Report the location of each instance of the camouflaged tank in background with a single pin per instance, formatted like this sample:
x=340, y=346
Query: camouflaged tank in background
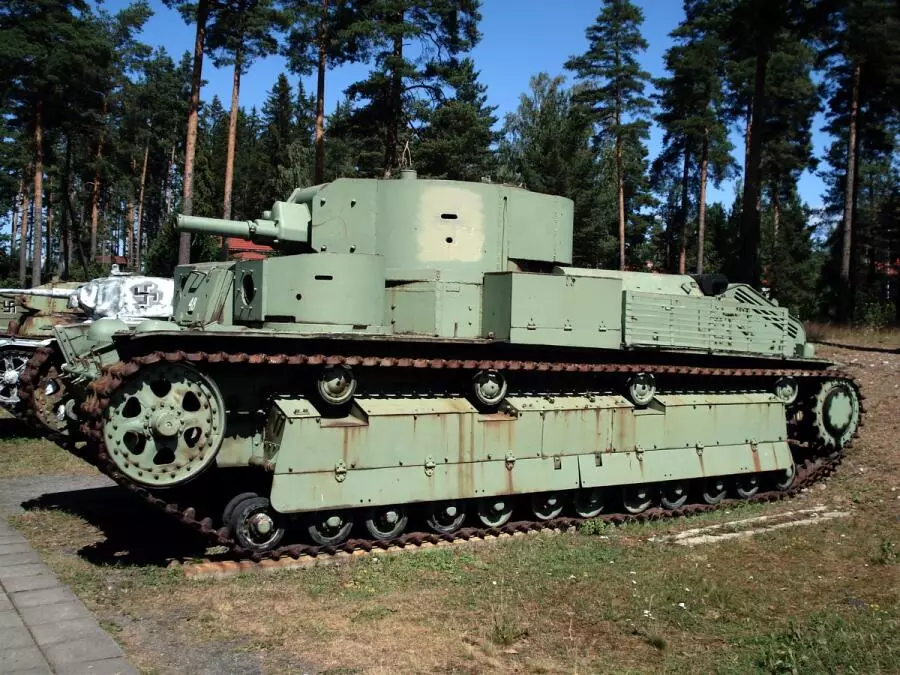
x=421, y=353
x=29, y=317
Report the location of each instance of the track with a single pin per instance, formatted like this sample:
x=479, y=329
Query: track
x=812, y=463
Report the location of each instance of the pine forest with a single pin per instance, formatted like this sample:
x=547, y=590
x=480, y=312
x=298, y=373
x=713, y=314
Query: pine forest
x=106, y=139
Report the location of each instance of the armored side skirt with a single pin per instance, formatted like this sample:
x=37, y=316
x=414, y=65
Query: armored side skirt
x=390, y=451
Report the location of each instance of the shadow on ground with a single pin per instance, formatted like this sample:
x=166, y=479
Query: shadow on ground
x=135, y=533
x=10, y=427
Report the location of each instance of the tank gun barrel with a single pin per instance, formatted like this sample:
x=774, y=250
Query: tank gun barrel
x=286, y=227
x=39, y=292
x=219, y=226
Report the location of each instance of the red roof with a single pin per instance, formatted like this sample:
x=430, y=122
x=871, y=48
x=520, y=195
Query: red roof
x=242, y=249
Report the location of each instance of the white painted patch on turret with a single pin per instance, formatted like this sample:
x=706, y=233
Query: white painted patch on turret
x=129, y=298
x=451, y=225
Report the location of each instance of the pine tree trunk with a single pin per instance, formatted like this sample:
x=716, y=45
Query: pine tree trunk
x=685, y=206
x=38, y=220
x=232, y=132
x=846, y=294
x=16, y=215
x=74, y=230
x=95, y=188
x=187, y=196
x=749, y=240
x=95, y=203
x=128, y=232
x=395, y=103
x=49, y=242
x=23, y=240
x=65, y=231
x=776, y=218
x=170, y=196
x=140, y=211
x=320, y=99
x=621, y=200
x=701, y=206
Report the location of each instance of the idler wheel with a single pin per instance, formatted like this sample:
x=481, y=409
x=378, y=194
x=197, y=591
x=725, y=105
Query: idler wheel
x=637, y=498
x=490, y=388
x=256, y=526
x=164, y=426
x=547, y=505
x=336, y=385
x=329, y=528
x=674, y=494
x=386, y=522
x=746, y=485
x=446, y=517
x=495, y=511
x=837, y=413
x=589, y=502
x=714, y=490
x=642, y=389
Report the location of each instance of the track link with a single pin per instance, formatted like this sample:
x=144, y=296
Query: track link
x=810, y=469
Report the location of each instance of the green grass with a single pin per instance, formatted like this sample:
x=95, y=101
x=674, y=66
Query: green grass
x=25, y=456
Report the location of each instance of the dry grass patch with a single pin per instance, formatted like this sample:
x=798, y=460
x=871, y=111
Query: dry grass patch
x=853, y=336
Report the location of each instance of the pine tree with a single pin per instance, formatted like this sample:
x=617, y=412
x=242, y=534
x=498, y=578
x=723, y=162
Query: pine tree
x=443, y=29
x=457, y=138
x=786, y=130
x=198, y=13
x=325, y=33
x=545, y=146
x=613, y=88
x=241, y=32
x=861, y=54
x=695, y=130
x=50, y=57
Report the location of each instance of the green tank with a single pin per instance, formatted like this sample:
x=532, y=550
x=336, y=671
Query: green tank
x=421, y=354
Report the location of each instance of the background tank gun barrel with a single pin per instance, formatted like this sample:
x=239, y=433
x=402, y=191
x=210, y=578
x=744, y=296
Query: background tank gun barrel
x=285, y=227
x=39, y=292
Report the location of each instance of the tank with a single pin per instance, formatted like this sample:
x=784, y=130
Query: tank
x=27, y=317
x=422, y=357
x=30, y=316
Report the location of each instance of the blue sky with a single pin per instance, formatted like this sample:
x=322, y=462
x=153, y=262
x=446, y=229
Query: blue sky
x=520, y=38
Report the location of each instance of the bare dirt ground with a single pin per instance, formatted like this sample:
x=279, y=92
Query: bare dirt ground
x=815, y=599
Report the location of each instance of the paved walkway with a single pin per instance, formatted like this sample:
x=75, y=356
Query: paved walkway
x=44, y=627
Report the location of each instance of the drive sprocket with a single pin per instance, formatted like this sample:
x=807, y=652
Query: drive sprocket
x=164, y=426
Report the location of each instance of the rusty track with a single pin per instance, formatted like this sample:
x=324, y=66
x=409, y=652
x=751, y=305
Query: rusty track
x=809, y=470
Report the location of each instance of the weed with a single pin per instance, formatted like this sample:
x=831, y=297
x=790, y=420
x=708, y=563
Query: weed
x=506, y=628
x=887, y=553
x=658, y=642
x=594, y=526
